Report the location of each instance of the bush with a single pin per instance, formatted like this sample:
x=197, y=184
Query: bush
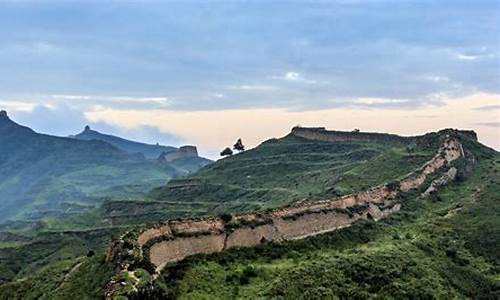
x=226, y=218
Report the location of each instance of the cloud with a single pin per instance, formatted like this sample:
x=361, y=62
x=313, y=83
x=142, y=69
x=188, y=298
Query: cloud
x=161, y=101
x=467, y=57
x=432, y=100
x=293, y=76
x=141, y=133
x=71, y=97
x=436, y=78
x=301, y=56
x=253, y=87
x=425, y=116
x=63, y=120
x=218, y=95
x=15, y=105
x=276, y=122
x=60, y=120
x=489, y=124
x=378, y=101
x=488, y=107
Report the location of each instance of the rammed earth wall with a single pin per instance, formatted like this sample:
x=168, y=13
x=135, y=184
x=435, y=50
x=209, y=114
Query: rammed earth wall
x=175, y=240
x=208, y=235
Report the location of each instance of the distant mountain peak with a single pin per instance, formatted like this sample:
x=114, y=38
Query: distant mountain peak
x=150, y=151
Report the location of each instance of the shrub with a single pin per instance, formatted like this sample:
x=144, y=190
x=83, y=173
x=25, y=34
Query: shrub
x=226, y=218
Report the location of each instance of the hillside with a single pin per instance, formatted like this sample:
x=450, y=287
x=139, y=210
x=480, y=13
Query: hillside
x=394, y=241
x=46, y=176
x=277, y=172
x=440, y=242
x=184, y=158
x=149, y=151
x=442, y=247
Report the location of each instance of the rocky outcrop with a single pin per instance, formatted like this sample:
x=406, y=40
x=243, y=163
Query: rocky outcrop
x=182, y=152
x=440, y=182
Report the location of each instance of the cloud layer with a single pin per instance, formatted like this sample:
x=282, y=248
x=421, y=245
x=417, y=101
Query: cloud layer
x=72, y=60
x=307, y=55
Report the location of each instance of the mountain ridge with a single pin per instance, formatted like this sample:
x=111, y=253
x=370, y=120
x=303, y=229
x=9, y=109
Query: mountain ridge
x=149, y=151
x=41, y=172
x=172, y=241
x=440, y=245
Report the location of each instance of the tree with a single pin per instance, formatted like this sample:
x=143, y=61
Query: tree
x=226, y=152
x=239, y=146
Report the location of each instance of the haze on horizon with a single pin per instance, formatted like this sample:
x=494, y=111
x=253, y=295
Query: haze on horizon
x=209, y=72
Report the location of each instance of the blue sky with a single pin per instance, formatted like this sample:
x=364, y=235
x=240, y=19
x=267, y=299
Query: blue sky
x=73, y=57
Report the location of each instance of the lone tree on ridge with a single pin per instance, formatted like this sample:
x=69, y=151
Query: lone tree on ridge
x=226, y=152
x=239, y=146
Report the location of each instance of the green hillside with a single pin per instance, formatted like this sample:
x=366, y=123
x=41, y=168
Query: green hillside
x=443, y=247
x=281, y=171
x=439, y=247
x=45, y=176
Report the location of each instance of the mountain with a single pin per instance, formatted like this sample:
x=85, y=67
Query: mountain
x=277, y=172
x=184, y=158
x=315, y=214
x=43, y=176
x=149, y=151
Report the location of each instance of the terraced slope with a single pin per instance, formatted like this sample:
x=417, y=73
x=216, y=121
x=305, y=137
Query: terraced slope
x=172, y=241
x=276, y=173
x=443, y=247
x=439, y=246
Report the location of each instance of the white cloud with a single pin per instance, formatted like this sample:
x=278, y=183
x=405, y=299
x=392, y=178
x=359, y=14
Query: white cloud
x=293, y=76
x=435, y=78
x=117, y=99
x=467, y=57
x=375, y=101
x=70, y=97
x=17, y=105
x=159, y=100
x=218, y=95
x=255, y=87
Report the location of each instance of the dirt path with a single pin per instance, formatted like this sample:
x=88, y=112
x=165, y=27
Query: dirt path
x=66, y=277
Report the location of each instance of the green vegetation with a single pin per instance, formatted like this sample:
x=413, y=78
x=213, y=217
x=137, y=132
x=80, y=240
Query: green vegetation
x=442, y=247
x=50, y=247
x=284, y=170
x=48, y=178
x=79, y=278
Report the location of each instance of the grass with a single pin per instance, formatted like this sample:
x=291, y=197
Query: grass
x=443, y=247
x=285, y=170
x=81, y=278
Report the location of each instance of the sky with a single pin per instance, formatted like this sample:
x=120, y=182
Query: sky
x=209, y=72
